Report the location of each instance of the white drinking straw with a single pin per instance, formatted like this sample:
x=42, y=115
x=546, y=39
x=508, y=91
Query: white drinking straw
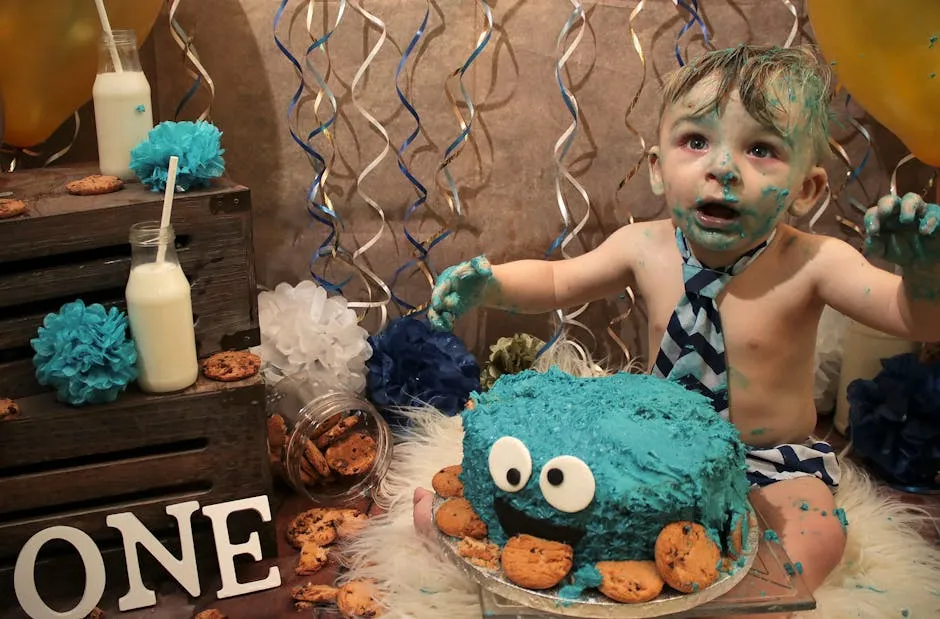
x=109, y=36
x=167, y=208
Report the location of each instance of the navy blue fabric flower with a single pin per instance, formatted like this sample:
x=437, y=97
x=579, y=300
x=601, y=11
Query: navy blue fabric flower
x=895, y=420
x=412, y=365
x=84, y=354
x=198, y=146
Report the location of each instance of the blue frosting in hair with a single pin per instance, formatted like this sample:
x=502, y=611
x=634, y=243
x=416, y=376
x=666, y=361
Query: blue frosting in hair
x=657, y=452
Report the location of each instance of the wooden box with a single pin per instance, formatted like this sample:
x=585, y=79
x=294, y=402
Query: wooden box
x=68, y=247
x=74, y=466
x=61, y=465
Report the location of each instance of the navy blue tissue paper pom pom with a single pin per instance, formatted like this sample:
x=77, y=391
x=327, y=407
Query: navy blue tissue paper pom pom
x=414, y=365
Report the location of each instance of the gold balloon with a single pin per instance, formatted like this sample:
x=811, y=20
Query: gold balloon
x=49, y=58
x=887, y=56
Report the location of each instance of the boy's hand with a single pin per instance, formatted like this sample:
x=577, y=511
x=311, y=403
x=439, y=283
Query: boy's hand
x=903, y=230
x=458, y=289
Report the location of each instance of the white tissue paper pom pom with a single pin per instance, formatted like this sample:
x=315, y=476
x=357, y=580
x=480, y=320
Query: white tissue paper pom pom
x=305, y=330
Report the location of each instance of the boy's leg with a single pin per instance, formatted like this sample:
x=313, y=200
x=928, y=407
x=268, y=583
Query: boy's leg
x=809, y=538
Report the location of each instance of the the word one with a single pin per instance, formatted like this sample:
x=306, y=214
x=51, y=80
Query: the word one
x=133, y=532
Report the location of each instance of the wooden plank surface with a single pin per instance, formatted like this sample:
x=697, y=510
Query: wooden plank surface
x=216, y=265
x=233, y=463
x=58, y=222
x=134, y=421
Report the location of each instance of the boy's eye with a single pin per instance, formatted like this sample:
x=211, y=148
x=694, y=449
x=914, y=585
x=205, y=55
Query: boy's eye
x=762, y=151
x=696, y=142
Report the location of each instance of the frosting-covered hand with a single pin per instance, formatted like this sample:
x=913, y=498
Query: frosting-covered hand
x=458, y=289
x=903, y=230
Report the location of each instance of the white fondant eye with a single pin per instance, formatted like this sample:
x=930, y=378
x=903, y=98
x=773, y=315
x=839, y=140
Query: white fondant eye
x=567, y=483
x=510, y=464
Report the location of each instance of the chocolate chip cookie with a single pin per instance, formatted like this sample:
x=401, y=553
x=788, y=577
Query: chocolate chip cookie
x=231, y=365
x=94, y=185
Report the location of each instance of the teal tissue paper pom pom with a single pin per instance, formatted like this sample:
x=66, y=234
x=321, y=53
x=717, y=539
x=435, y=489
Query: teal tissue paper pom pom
x=198, y=146
x=84, y=354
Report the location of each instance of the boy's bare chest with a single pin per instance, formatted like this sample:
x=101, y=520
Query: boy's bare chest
x=762, y=312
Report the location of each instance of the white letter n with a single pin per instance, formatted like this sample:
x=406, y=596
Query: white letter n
x=184, y=570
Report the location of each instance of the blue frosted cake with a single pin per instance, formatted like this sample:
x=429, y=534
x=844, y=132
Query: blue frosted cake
x=601, y=464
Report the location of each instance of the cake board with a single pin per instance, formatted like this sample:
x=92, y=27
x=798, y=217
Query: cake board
x=499, y=595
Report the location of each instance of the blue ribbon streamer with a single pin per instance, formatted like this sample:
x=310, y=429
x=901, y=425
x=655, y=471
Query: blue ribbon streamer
x=559, y=243
x=569, y=104
x=422, y=191
x=319, y=211
x=693, y=19
x=452, y=150
x=187, y=96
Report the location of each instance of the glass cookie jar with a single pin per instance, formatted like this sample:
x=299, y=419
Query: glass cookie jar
x=330, y=444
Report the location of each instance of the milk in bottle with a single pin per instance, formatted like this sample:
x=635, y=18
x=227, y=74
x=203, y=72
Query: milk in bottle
x=159, y=309
x=121, y=95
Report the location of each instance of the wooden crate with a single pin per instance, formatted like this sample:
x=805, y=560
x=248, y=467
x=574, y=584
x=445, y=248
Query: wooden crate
x=69, y=247
x=61, y=465
x=74, y=466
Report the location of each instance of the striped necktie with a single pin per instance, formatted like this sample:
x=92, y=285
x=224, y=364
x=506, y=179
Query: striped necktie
x=693, y=349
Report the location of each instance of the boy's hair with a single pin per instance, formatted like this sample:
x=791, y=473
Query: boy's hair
x=762, y=75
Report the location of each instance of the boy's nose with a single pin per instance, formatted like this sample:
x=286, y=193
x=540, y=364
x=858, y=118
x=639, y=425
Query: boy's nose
x=723, y=171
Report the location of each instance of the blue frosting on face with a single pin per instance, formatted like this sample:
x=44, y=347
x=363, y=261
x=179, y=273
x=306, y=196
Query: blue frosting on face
x=657, y=453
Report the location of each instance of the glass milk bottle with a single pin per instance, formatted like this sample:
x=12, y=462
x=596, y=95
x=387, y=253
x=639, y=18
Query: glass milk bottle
x=160, y=312
x=123, y=114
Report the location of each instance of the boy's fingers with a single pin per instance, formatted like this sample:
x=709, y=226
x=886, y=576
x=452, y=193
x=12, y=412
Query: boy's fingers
x=451, y=301
x=872, y=221
x=887, y=205
x=930, y=219
x=912, y=205
x=441, y=290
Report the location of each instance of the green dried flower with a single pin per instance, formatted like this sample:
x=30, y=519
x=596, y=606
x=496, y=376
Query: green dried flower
x=509, y=355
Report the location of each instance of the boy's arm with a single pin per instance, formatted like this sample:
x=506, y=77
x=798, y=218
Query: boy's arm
x=908, y=306
x=534, y=286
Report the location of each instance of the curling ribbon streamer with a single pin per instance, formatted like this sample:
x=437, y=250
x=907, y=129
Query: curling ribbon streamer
x=320, y=211
x=420, y=251
x=796, y=23
x=454, y=148
x=855, y=174
x=357, y=255
x=694, y=18
x=200, y=75
x=370, y=280
x=628, y=293
x=893, y=187
x=830, y=194
x=562, y=146
x=54, y=156
x=324, y=93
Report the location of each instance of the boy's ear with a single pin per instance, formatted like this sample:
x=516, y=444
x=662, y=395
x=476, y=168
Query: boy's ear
x=810, y=192
x=656, y=172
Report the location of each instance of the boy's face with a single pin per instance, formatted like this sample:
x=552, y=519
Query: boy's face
x=727, y=179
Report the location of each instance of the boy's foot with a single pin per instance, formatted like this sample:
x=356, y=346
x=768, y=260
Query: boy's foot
x=423, y=520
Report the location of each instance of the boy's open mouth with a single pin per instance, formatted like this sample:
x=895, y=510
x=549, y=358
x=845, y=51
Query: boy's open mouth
x=716, y=214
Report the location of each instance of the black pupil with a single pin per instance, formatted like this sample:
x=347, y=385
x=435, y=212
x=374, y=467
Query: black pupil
x=513, y=476
x=555, y=477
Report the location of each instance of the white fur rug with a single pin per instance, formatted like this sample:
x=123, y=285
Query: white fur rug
x=887, y=566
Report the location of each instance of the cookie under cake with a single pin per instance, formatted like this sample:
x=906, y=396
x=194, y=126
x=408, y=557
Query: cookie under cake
x=61, y=465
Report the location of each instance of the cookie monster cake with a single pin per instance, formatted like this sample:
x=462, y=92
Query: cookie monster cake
x=601, y=464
